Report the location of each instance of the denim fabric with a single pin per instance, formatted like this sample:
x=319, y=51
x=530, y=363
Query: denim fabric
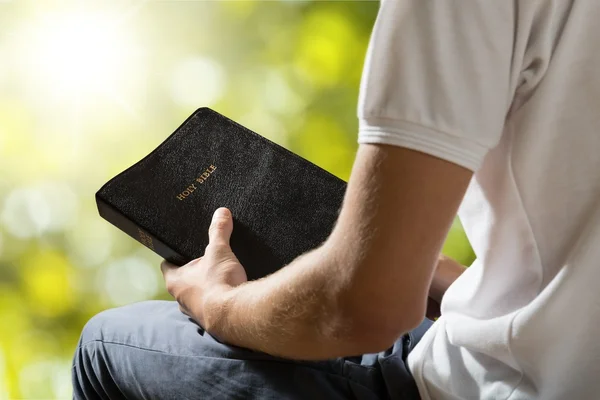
x=150, y=350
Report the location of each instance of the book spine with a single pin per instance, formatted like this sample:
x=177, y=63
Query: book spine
x=118, y=219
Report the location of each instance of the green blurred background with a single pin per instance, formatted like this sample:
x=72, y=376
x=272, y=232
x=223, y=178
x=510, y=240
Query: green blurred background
x=87, y=88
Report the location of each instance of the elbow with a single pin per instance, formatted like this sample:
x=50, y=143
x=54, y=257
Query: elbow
x=375, y=330
x=381, y=337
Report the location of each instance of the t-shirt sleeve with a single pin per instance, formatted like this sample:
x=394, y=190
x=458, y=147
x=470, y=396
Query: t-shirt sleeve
x=437, y=77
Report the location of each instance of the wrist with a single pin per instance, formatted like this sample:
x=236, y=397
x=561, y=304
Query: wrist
x=214, y=308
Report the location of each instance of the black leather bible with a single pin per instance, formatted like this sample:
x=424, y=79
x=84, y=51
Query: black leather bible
x=282, y=204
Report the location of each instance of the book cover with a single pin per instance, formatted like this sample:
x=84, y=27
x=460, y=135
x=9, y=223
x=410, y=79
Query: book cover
x=282, y=204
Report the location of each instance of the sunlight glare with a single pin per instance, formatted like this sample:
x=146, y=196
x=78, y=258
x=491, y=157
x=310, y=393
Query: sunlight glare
x=80, y=52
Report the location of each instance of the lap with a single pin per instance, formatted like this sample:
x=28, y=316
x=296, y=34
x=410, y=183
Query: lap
x=152, y=350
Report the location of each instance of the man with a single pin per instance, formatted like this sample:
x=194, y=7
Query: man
x=495, y=99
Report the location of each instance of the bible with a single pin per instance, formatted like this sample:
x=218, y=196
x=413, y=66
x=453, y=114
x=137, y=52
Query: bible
x=282, y=204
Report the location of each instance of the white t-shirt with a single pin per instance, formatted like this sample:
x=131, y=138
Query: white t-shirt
x=510, y=90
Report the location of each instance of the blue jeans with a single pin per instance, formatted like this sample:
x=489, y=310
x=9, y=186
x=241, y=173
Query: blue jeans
x=150, y=350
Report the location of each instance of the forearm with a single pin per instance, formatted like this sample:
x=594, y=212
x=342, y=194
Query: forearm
x=294, y=313
x=446, y=272
x=298, y=312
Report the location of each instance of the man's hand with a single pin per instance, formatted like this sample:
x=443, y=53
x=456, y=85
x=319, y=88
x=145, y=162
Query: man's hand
x=217, y=271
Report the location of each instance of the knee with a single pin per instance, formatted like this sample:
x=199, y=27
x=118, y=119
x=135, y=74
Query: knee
x=97, y=360
x=97, y=330
x=98, y=327
x=106, y=326
x=91, y=358
x=125, y=324
x=84, y=371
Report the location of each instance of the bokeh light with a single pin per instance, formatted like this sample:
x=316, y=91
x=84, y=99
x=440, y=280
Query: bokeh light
x=198, y=80
x=279, y=96
x=47, y=282
x=78, y=52
x=3, y=384
x=39, y=379
x=35, y=210
x=128, y=280
x=92, y=243
x=25, y=213
x=89, y=88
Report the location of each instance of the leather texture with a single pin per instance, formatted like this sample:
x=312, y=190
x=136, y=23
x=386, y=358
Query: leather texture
x=282, y=204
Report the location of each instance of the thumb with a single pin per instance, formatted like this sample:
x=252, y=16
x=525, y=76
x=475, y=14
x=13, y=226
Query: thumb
x=221, y=227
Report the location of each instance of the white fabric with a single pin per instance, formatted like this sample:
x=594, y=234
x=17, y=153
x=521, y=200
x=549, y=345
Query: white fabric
x=511, y=90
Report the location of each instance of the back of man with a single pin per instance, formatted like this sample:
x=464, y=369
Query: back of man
x=522, y=321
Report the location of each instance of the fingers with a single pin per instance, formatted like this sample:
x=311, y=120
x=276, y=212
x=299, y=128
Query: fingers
x=184, y=310
x=169, y=271
x=221, y=227
x=167, y=268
